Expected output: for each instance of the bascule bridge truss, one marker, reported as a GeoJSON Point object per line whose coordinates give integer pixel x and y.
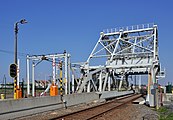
{"type": "Point", "coordinates": [121, 52]}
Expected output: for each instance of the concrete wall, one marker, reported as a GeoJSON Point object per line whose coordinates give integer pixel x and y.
{"type": "Point", "coordinates": [168, 97]}
{"type": "Point", "coordinates": [111, 94]}
{"type": "Point", "coordinates": [10, 109]}
{"type": "Point", "coordinates": [78, 98]}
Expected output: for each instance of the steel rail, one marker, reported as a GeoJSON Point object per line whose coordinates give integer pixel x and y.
{"type": "Point", "coordinates": [113, 108]}
{"type": "Point", "coordinates": [117, 103]}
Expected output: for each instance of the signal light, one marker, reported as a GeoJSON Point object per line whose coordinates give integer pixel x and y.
{"type": "Point", "coordinates": [13, 70]}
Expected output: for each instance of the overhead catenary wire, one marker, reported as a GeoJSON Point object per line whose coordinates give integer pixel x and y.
{"type": "Point", "coordinates": [12, 53]}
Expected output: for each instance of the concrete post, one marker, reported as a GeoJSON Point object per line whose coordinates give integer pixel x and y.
{"type": "Point", "coordinates": [72, 83]}
{"type": "Point", "coordinates": [66, 73]}
{"type": "Point", "coordinates": [109, 83]}
{"type": "Point", "coordinates": [100, 82]}
{"type": "Point", "coordinates": [69, 66]}
{"type": "Point", "coordinates": [27, 76]}
{"type": "Point", "coordinates": [88, 86]}
{"type": "Point", "coordinates": [33, 80]}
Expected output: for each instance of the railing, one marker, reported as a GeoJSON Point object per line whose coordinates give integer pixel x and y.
{"type": "Point", "coordinates": [128, 28]}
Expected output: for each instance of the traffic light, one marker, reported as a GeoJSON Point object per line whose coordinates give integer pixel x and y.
{"type": "Point", "coordinates": [13, 70]}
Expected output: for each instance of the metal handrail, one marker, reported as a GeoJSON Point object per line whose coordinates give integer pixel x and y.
{"type": "Point", "coordinates": [128, 28]}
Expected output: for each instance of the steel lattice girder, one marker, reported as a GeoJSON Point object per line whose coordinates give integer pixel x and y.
{"type": "Point", "coordinates": [132, 50]}
{"type": "Point", "coordinates": [128, 50]}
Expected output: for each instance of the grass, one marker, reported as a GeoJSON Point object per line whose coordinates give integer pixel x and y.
{"type": "Point", "coordinates": [165, 113]}
{"type": "Point", "coordinates": [170, 117]}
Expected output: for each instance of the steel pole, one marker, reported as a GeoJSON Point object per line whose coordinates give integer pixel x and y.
{"type": "Point", "coordinates": [15, 57]}
{"type": "Point", "coordinates": [23, 21]}
{"type": "Point", "coordinates": [5, 86]}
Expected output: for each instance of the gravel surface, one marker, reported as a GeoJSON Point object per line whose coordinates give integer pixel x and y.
{"type": "Point", "coordinates": [131, 112]}
{"type": "Point", "coordinates": [126, 112]}
{"type": "Point", "coordinates": [59, 112]}
{"type": "Point", "coordinates": [143, 112]}
{"type": "Point", "coordinates": [169, 105]}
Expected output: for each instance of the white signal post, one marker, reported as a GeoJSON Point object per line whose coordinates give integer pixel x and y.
{"type": "Point", "coordinates": [18, 71]}
{"type": "Point", "coordinates": [53, 65]}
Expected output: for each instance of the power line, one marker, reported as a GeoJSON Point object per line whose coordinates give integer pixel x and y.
{"type": "Point", "coordinates": [12, 53]}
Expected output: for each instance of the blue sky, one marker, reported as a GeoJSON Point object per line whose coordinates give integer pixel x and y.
{"type": "Point", "coordinates": [58, 25]}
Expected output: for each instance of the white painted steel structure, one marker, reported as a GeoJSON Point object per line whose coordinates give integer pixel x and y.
{"type": "Point", "coordinates": [54, 58]}
{"type": "Point", "coordinates": [121, 52]}
{"type": "Point", "coordinates": [118, 53]}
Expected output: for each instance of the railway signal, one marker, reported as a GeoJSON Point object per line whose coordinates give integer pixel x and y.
{"type": "Point", "coordinates": [13, 70]}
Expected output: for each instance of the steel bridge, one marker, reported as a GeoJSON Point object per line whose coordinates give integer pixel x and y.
{"type": "Point", "coordinates": [118, 53]}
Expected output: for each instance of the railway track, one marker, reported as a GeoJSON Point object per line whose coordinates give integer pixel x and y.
{"type": "Point", "coordinates": [97, 111]}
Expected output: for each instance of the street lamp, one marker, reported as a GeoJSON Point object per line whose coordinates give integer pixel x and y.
{"type": "Point", "coordinates": [23, 21]}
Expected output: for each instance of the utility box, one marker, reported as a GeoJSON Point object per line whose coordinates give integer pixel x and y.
{"type": "Point", "coordinates": [169, 88]}
{"type": "Point", "coordinates": [19, 93]}
{"type": "Point", "coordinates": [152, 97]}
{"type": "Point", "coordinates": [53, 90]}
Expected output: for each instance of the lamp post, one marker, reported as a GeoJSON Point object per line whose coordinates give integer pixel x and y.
{"type": "Point", "coordinates": [23, 21]}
